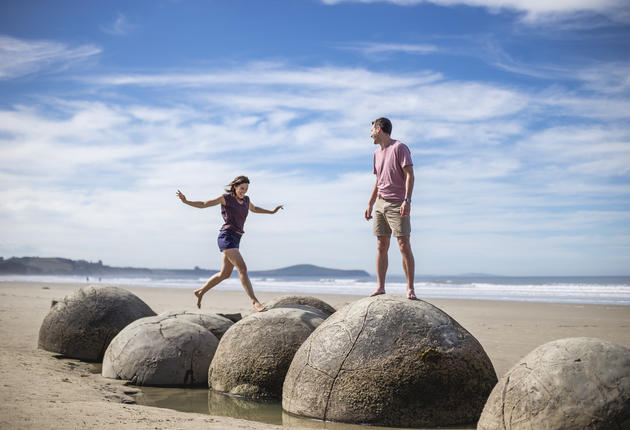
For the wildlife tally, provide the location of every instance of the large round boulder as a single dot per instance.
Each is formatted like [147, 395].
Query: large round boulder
[217, 324]
[84, 322]
[161, 351]
[291, 300]
[389, 361]
[575, 383]
[255, 353]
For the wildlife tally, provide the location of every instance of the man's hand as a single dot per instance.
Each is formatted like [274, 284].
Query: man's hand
[368, 213]
[405, 209]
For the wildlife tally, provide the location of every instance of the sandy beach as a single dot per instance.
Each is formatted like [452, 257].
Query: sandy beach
[42, 391]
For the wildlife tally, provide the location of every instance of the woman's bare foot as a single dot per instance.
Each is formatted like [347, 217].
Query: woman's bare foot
[411, 295]
[378, 292]
[259, 307]
[199, 293]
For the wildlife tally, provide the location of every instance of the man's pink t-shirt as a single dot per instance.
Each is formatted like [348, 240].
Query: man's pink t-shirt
[388, 168]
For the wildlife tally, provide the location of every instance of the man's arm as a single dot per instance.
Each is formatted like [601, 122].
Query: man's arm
[405, 208]
[368, 211]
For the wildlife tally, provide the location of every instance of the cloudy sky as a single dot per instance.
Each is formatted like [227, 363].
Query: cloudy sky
[517, 114]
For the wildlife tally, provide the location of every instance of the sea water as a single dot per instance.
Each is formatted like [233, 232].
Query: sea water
[609, 290]
[203, 400]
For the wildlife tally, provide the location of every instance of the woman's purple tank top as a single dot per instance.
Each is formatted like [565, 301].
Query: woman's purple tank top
[234, 213]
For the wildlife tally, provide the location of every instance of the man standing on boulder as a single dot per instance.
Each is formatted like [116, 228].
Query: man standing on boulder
[391, 201]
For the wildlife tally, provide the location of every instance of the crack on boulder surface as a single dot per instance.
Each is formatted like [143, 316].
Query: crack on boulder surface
[332, 385]
[503, 396]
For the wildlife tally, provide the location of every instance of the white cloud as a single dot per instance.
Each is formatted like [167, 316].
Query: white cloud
[20, 57]
[120, 27]
[535, 11]
[607, 78]
[491, 173]
[272, 74]
[382, 50]
[581, 150]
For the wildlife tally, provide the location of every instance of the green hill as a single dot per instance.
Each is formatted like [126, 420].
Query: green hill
[63, 266]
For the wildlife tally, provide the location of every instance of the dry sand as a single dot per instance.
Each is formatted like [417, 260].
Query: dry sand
[41, 391]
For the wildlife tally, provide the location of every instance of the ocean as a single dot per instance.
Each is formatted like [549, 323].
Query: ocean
[610, 290]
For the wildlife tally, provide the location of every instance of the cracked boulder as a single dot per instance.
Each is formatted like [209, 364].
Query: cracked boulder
[161, 351]
[254, 354]
[291, 300]
[217, 324]
[575, 383]
[389, 361]
[84, 322]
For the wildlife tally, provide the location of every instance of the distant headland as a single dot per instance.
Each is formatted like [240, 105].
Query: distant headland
[63, 266]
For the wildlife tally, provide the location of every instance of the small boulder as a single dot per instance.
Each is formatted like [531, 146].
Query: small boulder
[84, 322]
[568, 384]
[161, 351]
[389, 361]
[255, 353]
[290, 300]
[216, 323]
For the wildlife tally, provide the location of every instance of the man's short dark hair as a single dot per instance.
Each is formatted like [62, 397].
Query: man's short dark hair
[384, 124]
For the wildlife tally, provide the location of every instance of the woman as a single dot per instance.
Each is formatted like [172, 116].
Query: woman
[235, 206]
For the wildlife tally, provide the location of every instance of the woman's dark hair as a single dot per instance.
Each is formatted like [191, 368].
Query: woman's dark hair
[231, 187]
[384, 124]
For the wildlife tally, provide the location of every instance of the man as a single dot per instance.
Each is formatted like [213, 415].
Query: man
[391, 201]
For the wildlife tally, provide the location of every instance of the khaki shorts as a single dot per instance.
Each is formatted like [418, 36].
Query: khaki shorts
[387, 219]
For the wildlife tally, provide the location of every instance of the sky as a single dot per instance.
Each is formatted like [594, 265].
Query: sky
[516, 112]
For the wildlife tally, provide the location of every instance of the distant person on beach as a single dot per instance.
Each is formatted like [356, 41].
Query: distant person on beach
[391, 201]
[235, 206]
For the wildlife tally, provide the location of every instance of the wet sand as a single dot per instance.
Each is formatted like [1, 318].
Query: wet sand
[41, 391]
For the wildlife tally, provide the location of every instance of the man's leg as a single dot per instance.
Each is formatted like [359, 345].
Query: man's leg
[382, 247]
[409, 264]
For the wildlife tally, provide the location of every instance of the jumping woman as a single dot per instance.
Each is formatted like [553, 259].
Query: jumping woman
[235, 206]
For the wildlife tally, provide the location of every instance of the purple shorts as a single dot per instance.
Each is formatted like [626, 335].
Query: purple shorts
[228, 239]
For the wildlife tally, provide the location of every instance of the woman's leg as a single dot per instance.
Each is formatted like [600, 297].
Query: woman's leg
[235, 257]
[226, 271]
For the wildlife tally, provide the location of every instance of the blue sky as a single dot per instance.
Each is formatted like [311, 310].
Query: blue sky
[517, 114]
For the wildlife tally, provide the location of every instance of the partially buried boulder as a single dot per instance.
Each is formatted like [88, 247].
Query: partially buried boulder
[389, 361]
[291, 300]
[161, 351]
[217, 324]
[84, 322]
[255, 353]
[575, 383]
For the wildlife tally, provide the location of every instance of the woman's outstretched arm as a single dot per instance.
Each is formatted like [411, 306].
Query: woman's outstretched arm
[201, 205]
[258, 210]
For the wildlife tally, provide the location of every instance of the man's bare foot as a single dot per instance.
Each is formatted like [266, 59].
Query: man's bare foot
[259, 307]
[377, 293]
[199, 293]
[411, 295]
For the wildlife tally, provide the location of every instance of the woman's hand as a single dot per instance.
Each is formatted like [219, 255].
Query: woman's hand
[181, 196]
[278, 208]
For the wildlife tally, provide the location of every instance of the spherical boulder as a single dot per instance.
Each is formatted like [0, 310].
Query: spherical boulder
[575, 383]
[161, 351]
[255, 353]
[389, 361]
[217, 324]
[84, 322]
[290, 300]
